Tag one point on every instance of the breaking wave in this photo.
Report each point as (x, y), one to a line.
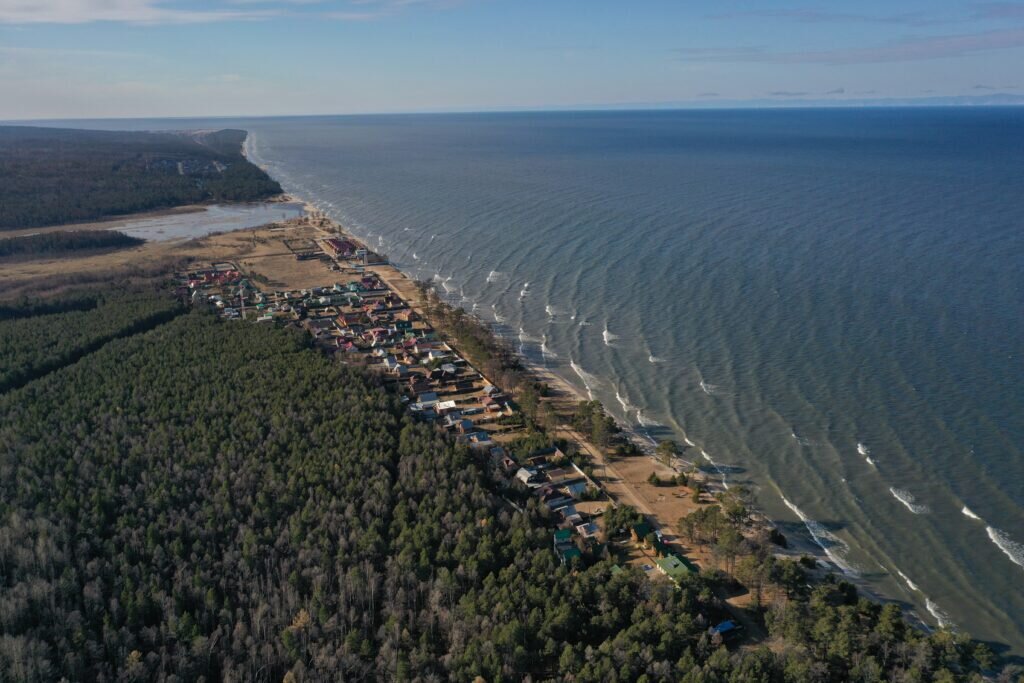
(969, 513)
(913, 586)
(654, 359)
(608, 336)
(908, 500)
(940, 616)
(548, 353)
(1011, 548)
(721, 472)
(585, 376)
(834, 548)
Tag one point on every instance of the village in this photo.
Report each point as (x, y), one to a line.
(358, 315)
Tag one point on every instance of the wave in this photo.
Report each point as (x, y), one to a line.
(969, 513)
(654, 359)
(834, 548)
(721, 472)
(524, 291)
(644, 421)
(497, 317)
(688, 442)
(1011, 548)
(608, 336)
(908, 499)
(585, 376)
(545, 350)
(583, 322)
(550, 310)
(708, 389)
(913, 586)
(495, 276)
(627, 407)
(432, 238)
(940, 616)
(871, 462)
(862, 449)
(803, 441)
(415, 257)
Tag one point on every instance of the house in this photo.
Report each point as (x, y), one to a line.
(674, 567)
(445, 407)
(588, 530)
(553, 498)
(527, 475)
(564, 546)
(570, 515)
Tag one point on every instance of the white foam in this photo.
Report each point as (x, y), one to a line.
(688, 442)
(415, 257)
(908, 500)
(608, 336)
(524, 291)
(583, 322)
(585, 376)
(862, 449)
(825, 540)
(432, 237)
(642, 419)
(940, 616)
(497, 317)
(624, 402)
(871, 462)
(721, 472)
(913, 586)
(495, 276)
(1011, 548)
(654, 359)
(969, 513)
(545, 350)
(550, 311)
(708, 389)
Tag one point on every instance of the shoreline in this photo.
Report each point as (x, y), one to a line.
(797, 546)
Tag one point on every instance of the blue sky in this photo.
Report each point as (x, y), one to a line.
(137, 58)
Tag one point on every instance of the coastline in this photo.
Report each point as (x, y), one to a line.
(802, 544)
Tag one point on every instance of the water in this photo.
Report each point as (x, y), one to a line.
(828, 305)
(210, 220)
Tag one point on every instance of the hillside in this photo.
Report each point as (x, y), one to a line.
(53, 176)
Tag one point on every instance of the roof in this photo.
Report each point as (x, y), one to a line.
(563, 534)
(672, 566)
(725, 627)
(570, 553)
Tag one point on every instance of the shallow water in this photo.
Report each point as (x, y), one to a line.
(829, 304)
(211, 219)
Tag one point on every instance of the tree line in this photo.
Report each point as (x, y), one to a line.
(66, 242)
(52, 176)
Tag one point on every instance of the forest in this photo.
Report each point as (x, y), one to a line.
(62, 242)
(54, 176)
(33, 345)
(207, 500)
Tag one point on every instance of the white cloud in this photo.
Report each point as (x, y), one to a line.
(131, 11)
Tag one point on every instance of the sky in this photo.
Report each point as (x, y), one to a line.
(171, 58)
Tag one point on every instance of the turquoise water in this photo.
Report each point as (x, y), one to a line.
(828, 304)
